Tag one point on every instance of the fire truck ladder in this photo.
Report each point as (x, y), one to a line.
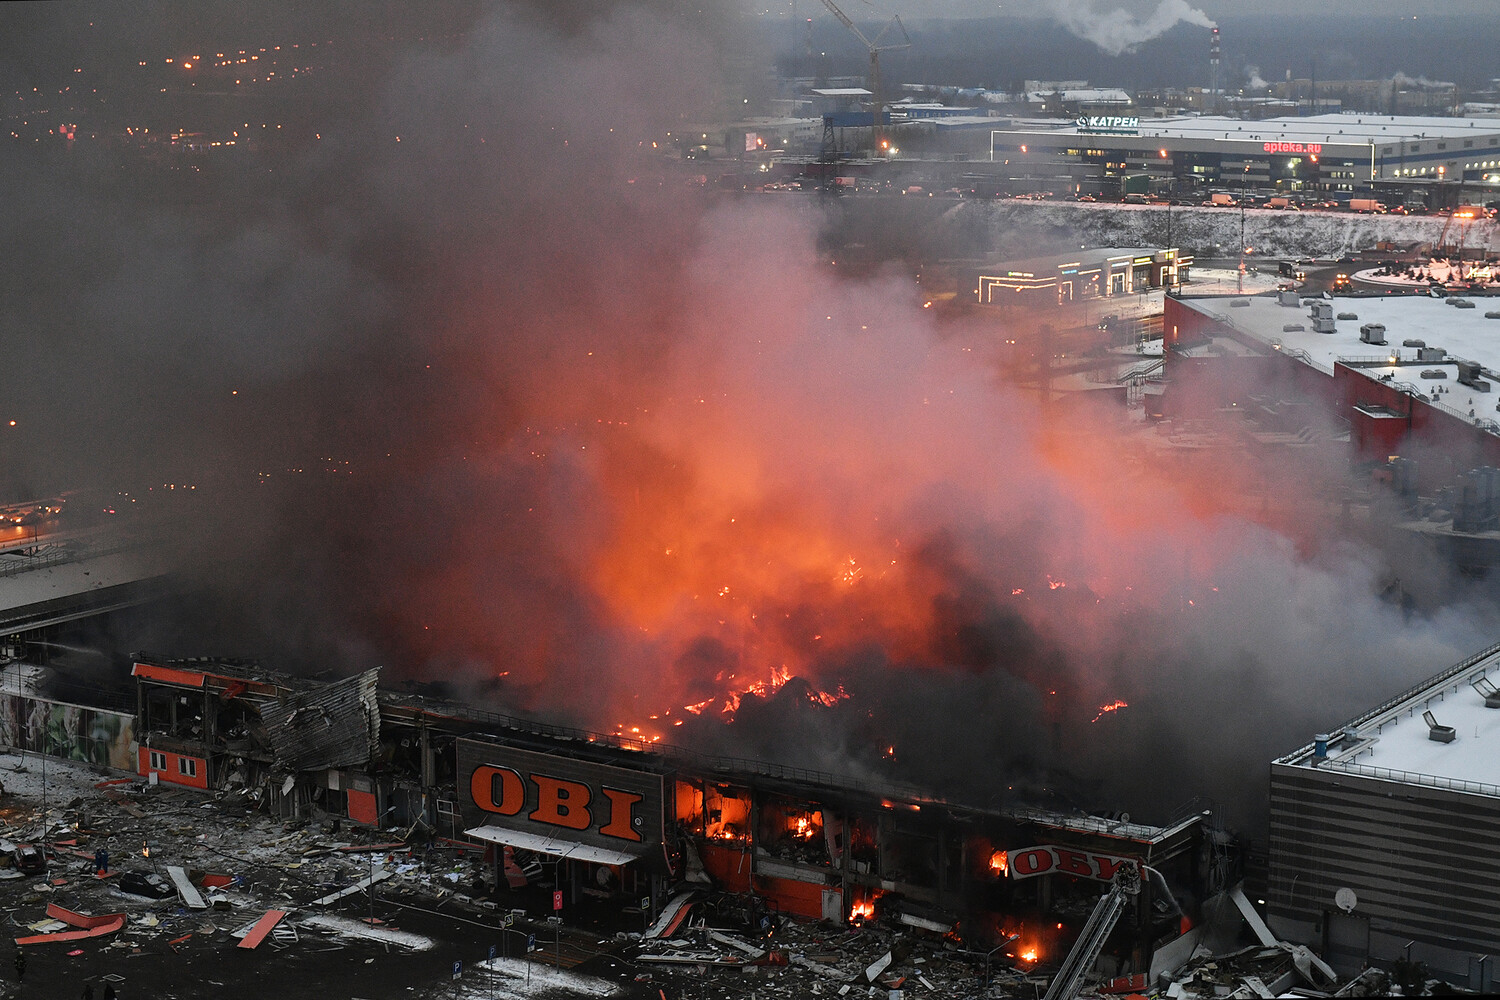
(1069, 978)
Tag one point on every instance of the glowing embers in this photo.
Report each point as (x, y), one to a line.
(1113, 706)
(999, 863)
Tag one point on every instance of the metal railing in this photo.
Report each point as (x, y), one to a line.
(1414, 778)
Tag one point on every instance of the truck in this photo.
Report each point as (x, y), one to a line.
(1282, 203)
(1367, 206)
(1289, 269)
(1221, 199)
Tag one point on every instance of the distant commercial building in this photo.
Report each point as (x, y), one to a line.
(1330, 153)
(1385, 831)
(1059, 279)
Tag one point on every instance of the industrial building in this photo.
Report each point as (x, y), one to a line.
(1385, 831)
(1411, 375)
(1401, 157)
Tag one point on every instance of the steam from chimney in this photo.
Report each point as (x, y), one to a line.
(1120, 31)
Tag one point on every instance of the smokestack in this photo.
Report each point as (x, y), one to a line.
(1213, 68)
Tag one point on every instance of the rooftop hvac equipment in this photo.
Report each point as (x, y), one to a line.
(1322, 309)
(1293, 328)
(1461, 303)
(1288, 299)
(1410, 341)
(1426, 354)
(1487, 690)
(1492, 315)
(1324, 324)
(1440, 734)
(1469, 373)
(1352, 316)
(1234, 303)
(1372, 333)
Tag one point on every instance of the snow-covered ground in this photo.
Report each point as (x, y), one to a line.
(1028, 228)
(507, 978)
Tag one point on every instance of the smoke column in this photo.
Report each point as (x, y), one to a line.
(482, 388)
(1119, 31)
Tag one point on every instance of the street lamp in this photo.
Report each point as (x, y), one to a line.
(987, 955)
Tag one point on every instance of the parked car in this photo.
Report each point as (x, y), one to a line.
(147, 884)
(29, 859)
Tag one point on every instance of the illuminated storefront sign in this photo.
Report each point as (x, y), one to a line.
(588, 802)
(1034, 861)
(1312, 148)
(1109, 123)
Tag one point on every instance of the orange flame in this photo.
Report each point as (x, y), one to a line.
(1000, 862)
(1113, 706)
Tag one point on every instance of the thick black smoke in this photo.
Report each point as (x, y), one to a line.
(474, 382)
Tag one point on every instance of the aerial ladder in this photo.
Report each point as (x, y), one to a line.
(1069, 978)
(875, 48)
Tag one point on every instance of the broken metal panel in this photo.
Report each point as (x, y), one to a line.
(333, 725)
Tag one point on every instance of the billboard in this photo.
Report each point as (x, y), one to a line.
(602, 805)
(1049, 859)
(71, 732)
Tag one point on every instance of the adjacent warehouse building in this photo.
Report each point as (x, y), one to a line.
(1411, 375)
(1385, 831)
(1401, 157)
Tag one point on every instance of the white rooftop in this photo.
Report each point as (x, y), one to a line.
(1395, 741)
(1463, 333)
(1325, 129)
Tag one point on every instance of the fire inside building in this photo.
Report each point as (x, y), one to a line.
(603, 822)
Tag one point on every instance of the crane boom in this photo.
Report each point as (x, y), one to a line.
(875, 48)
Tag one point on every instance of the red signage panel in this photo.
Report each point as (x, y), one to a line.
(1048, 860)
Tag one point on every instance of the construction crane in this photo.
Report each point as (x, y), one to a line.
(875, 49)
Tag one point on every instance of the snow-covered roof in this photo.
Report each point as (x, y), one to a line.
(1395, 741)
(1326, 130)
(1463, 333)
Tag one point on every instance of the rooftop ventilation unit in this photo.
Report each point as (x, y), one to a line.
(1324, 324)
(1288, 299)
(1427, 354)
(1322, 309)
(1469, 373)
(1461, 303)
(1437, 733)
(1293, 328)
(1487, 690)
(1352, 316)
(1238, 303)
(1372, 333)
(1492, 315)
(1410, 341)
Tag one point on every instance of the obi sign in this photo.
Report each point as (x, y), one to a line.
(1047, 860)
(1109, 123)
(538, 793)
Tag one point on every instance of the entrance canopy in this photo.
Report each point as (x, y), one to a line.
(556, 846)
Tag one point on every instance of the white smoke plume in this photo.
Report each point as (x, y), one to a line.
(1256, 81)
(1402, 80)
(1119, 31)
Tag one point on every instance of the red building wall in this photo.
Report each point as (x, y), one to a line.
(176, 768)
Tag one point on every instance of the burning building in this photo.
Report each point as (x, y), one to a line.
(784, 842)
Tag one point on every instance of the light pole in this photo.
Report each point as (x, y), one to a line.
(987, 955)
